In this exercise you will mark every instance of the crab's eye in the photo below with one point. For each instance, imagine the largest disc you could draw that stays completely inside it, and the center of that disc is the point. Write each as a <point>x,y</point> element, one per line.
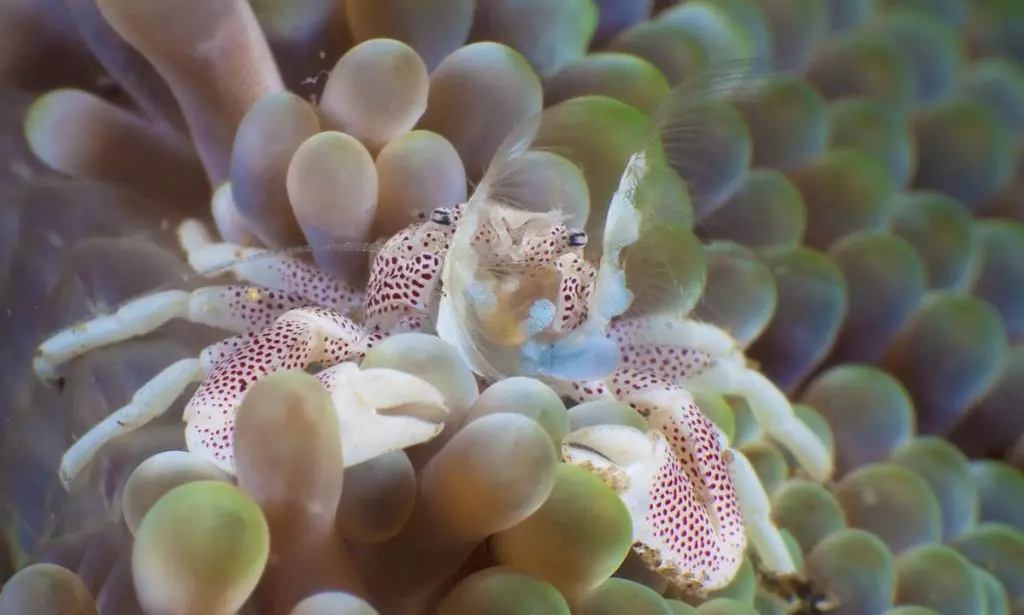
<point>441,216</point>
<point>578,239</point>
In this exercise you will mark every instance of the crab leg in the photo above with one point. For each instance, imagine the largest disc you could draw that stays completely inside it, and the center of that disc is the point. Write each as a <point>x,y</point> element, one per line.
<point>226,370</point>
<point>148,403</point>
<point>772,409</point>
<point>756,509</point>
<point>266,268</point>
<point>284,283</point>
<point>703,357</point>
<point>234,308</point>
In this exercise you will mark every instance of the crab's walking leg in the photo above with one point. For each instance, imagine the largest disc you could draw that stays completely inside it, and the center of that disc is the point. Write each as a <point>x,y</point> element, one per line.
<point>234,308</point>
<point>297,339</point>
<point>772,409</point>
<point>266,268</point>
<point>703,357</point>
<point>756,509</point>
<point>148,403</point>
<point>284,283</point>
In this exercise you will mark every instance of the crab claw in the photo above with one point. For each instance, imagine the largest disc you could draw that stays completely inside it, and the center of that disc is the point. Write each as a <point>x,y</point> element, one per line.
<point>415,410</point>
<point>672,532</point>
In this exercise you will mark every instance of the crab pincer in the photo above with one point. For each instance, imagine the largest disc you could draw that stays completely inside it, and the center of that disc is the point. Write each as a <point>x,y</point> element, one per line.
<point>371,406</point>
<point>673,533</point>
<point>295,342</point>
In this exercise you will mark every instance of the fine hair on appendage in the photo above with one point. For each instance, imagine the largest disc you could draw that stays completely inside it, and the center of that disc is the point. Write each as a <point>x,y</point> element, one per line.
<point>506,190</point>
<point>660,269</point>
<point>682,130</point>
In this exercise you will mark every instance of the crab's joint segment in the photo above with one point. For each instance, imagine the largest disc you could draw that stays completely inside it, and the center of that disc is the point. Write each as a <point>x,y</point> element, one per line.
<point>756,509</point>
<point>728,372</point>
<point>133,319</point>
<point>234,308</point>
<point>206,255</point>
<point>265,268</point>
<point>148,403</point>
<point>772,410</point>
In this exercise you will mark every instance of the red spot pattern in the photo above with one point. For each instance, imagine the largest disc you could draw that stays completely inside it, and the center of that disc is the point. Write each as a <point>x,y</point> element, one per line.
<point>256,307</point>
<point>574,291</point>
<point>298,277</point>
<point>589,390</point>
<point>296,339</point>
<point>695,442</point>
<point>286,345</point>
<point>223,350</point>
<point>536,249</point>
<point>343,340</point>
<point>528,250</point>
<point>693,516</point>
<point>410,324</point>
<point>680,526</point>
<point>666,361</point>
<point>693,437</point>
<point>400,287</point>
<point>291,331</point>
<point>406,274</point>
<point>698,458</point>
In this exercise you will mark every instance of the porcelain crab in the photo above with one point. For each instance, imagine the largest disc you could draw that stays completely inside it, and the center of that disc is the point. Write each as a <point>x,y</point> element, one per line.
<point>513,291</point>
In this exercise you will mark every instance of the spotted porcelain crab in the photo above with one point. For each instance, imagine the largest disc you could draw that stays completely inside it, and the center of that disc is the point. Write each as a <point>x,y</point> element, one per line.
<point>678,475</point>
<point>514,293</point>
<point>289,315</point>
